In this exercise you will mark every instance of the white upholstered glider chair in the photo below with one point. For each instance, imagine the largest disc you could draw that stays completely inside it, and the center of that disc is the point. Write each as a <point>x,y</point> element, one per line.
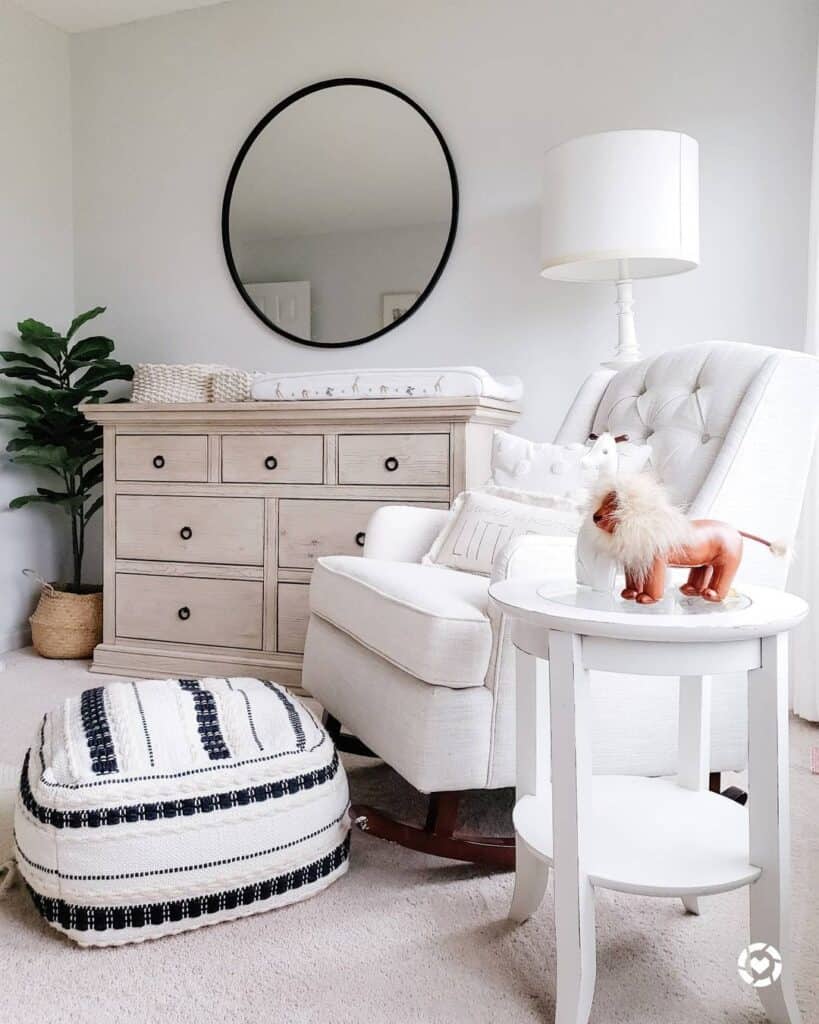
<point>411,661</point>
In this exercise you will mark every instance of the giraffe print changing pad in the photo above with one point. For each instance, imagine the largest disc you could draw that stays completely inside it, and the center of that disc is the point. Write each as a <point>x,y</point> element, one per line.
<point>426,382</point>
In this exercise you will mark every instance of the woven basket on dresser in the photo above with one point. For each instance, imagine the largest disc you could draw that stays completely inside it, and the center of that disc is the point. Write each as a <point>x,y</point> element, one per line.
<point>170,382</point>
<point>151,807</point>
<point>189,382</point>
<point>230,386</point>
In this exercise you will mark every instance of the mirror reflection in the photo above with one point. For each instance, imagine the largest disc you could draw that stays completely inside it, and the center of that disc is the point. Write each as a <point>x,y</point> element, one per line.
<point>340,213</point>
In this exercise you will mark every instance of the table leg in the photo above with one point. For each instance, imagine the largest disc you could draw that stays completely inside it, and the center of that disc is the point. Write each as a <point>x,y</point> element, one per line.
<point>694,745</point>
<point>769,815</point>
<point>571,820</point>
<point>532,769</point>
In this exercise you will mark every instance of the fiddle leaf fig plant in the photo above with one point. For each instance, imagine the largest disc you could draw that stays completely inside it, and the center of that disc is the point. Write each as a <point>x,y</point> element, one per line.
<point>55,373</point>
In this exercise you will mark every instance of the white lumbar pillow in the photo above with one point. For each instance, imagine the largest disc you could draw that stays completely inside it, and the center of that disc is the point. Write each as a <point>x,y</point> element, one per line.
<point>481,524</point>
<point>562,470</point>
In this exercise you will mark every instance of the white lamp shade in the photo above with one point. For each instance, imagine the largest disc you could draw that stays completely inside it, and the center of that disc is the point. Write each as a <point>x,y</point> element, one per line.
<point>620,205</point>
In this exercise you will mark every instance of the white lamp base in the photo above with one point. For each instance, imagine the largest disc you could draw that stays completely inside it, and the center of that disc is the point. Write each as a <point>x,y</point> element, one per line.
<point>628,351</point>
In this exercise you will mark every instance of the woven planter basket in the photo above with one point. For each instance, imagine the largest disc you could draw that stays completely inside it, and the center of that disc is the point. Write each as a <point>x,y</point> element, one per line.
<point>66,625</point>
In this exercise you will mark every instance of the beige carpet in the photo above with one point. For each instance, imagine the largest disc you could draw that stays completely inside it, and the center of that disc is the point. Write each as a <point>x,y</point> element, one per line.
<point>402,938</point>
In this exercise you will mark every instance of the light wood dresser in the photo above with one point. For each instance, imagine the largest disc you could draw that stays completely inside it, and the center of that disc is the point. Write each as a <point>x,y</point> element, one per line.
<point>215,514</point>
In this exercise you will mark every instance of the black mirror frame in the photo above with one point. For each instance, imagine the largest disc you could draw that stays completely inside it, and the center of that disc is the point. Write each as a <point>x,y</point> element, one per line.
<point>234,172</point>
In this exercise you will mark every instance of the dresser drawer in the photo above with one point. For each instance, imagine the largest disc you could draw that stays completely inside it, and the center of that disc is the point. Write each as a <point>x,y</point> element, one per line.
<point>293,611</point>
<point>182,610</point>
<point>175,457</point>
<point>273,459</point>
<point>394,459</point>
<point>176,529</point>
<point>309,529</point>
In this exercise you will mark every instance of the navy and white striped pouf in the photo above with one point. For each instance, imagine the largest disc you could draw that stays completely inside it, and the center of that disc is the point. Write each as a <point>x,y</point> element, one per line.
<point>150,807</point>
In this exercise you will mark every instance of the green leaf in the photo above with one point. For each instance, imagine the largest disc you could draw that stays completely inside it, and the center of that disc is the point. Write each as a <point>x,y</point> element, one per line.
<point>48,455</point>
<point>26,373</point>
<point>28,499</point>
<point>93,397</point>
<point>75,463</point>
<point>44,394</point>
<point>17,443</point>
<point>101,372</point>
<point>89,350</point>
<point>92,476</point>
<point>70,502</point>
<point>94,507</point>
<point>17,402</point>
<point>21,416</point>
<point>43,337</point>
<point>83,318</point>
<point>20,401</point>
<point>35,329</point>
<point>21,357</point>
<point>55,495</point>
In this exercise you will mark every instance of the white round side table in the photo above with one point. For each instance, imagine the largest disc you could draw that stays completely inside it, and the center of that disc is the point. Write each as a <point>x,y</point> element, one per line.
<point>657,837</point>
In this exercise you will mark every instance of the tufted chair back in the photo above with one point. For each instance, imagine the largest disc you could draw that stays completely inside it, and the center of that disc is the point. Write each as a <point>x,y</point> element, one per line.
<point>731,426</point>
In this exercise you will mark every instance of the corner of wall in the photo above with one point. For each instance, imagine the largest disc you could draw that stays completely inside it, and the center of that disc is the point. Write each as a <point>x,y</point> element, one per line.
<point>37,226</point>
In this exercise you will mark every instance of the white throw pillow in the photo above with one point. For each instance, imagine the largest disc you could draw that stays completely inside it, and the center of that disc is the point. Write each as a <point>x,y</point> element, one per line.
<point>555,469</point>
<point>481,524</point>
<point>575,503</point>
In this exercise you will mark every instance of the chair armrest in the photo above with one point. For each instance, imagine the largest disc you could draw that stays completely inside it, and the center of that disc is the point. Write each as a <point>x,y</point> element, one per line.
<point>534,557</point>
<point>402,533</point>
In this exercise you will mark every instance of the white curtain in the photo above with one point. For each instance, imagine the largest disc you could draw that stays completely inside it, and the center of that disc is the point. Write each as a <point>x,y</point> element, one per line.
<point>804,577</point>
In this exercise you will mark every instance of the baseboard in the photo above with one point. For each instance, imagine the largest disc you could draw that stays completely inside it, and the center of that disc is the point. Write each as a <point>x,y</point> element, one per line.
<point>143,662</point>
<point>14,639</point>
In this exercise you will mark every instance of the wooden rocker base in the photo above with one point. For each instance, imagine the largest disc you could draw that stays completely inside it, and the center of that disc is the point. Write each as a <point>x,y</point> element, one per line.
<point>731,793</point>
<point>438,836</point>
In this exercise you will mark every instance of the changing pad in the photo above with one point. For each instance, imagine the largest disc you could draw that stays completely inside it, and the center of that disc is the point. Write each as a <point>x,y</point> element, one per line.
<point>423,382</point>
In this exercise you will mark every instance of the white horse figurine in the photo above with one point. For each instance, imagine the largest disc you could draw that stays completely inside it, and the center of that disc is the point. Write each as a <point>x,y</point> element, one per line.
<point>602,458</point>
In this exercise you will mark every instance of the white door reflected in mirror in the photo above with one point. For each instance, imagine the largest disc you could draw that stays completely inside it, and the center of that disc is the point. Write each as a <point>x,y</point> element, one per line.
<point>285,303</point>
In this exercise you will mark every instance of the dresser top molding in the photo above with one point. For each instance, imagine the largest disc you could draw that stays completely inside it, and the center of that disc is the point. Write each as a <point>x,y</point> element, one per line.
<point>364,410</point>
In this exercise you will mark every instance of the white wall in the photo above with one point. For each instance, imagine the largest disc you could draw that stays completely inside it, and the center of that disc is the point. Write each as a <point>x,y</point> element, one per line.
<point>36,270</point>
<point>161,107</point>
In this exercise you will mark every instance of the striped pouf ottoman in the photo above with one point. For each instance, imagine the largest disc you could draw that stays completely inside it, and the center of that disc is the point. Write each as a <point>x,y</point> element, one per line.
<point>150,807</point>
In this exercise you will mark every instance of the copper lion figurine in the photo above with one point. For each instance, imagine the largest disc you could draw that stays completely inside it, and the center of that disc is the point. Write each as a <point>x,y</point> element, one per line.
<point>639,528</point>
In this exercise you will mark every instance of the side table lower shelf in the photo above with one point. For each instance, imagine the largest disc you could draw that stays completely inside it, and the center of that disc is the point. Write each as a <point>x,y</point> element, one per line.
<point>651,836</point>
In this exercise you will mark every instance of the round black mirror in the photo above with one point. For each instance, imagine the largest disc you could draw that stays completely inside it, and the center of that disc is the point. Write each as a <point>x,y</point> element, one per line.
<point>340,212</point>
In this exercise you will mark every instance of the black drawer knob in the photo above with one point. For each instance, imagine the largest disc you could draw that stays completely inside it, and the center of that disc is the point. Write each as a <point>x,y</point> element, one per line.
<point>184,613</point>
<point>186,533</point>
<point>271,462</point>
<point>391,464</point>
<point>159,461</point>
<point>360,538</point>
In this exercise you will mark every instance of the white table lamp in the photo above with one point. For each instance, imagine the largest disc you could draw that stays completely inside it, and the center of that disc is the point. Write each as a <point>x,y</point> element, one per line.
<point>617,206</point>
